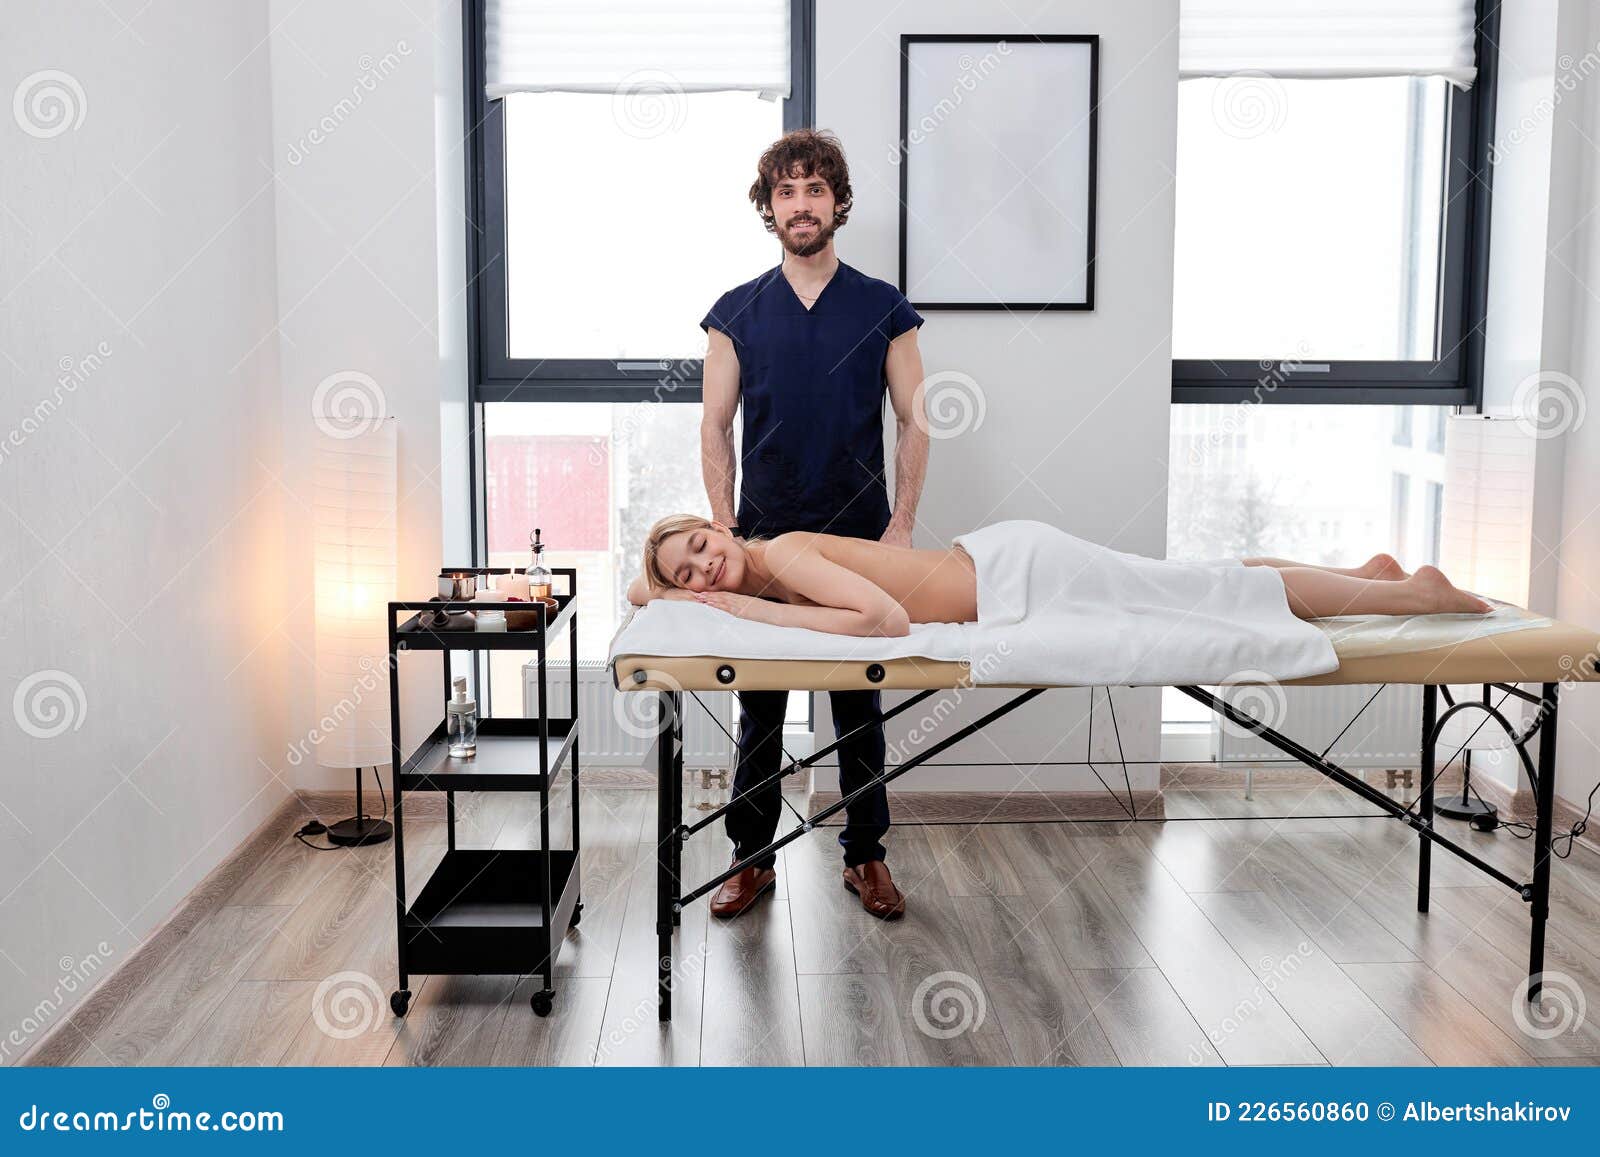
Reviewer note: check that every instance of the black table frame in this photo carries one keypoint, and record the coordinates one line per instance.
(672, 833)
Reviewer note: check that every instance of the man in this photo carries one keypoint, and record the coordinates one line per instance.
(810, 348)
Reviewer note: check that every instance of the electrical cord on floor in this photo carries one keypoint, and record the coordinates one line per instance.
(317, 827)
(1523, 831)
(314, 828)
(1576, 830)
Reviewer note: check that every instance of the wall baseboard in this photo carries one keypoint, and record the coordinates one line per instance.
(1205, 776)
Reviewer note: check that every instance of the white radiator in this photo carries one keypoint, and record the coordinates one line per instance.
(1388, 733)
(616, 730)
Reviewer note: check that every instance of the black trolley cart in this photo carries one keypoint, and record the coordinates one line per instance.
(484, 911)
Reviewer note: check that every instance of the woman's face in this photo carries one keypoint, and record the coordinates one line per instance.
(707, 559)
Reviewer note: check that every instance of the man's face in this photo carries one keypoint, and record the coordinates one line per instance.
(802, 212)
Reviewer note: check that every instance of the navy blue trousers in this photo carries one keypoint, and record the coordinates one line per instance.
(752, 818)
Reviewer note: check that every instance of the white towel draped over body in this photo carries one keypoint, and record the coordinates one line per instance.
(1052, 609)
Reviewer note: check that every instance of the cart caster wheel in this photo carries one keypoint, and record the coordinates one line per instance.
(543, 1001)
(577, 913)
(400, 1001)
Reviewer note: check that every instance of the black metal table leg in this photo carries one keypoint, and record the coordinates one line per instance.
(572, 710)
(400, 999)
(677, 817)
(1544, 795)
(669, 765)
(1430, 711)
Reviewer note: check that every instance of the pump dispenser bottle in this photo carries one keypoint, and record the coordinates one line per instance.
(461, 722)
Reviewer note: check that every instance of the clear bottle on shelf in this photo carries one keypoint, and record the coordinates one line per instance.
(539, 577)
(461, 722)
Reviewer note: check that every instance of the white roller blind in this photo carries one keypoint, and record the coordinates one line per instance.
(620, 46)
(1326, 38)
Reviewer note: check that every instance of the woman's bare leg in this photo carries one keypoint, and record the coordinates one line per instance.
(1319, 594)
(1379, 566)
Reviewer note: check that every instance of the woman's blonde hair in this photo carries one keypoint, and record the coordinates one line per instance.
(664, 529)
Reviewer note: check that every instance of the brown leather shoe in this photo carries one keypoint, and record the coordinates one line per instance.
(879, 896)
(739, 893)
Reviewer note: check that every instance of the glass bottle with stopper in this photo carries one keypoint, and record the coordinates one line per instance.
(538, 574)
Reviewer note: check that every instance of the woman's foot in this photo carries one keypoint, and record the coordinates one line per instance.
(1442, 597)
(1383, 566)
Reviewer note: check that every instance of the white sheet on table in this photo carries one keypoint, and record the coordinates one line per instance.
(1056, 608)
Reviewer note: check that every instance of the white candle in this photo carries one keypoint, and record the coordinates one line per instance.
(508, 585)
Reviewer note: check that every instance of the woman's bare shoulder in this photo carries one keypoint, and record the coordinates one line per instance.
(793, 541)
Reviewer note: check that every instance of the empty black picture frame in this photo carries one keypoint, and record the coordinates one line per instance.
(1048, 122)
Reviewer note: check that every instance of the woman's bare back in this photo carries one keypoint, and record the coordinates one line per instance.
(934, 586)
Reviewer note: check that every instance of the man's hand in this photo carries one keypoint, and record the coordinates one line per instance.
(897, 535)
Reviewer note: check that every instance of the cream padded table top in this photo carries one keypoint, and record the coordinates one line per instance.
(1427, 649)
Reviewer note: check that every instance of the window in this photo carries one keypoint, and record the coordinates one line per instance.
(1331, 239)
(592, 477)
(1436, 425)
(1402, 426)
(1433, 521)
(602, 223)
(1400, 510)
(1320, 484)
(593, 256)
(609, 257)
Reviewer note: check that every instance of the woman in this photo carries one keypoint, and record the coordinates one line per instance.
(851, 586)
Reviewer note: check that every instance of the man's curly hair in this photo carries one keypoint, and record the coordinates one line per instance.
(803, 153)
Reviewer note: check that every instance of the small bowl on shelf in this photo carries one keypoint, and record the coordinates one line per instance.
(529, 619)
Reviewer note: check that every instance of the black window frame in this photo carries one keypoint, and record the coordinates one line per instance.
(494, 375)
(1456, 377)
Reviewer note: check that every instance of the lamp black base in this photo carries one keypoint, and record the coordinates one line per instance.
(1463, 809)
(359, 830)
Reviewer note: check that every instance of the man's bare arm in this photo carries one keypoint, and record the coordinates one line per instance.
(719, 405)
(904, 370)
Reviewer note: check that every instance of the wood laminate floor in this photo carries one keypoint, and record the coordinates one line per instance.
(1195, 940)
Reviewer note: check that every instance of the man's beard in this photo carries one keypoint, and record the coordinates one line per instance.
(815, 243)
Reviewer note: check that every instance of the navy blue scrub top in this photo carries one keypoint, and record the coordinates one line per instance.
(812, 384)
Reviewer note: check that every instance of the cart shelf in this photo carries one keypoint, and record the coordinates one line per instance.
(507, 758)
(460, 635)
(480, 912)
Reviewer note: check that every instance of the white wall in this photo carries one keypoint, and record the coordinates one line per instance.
(1075, 427)
(1543, 276)
(366, 99)
(1570, 539)
(141, 505)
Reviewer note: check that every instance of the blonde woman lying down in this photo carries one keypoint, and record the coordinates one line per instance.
(854, 586)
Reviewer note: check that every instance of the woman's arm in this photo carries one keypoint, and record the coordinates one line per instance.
(640, 592)
(847, 603)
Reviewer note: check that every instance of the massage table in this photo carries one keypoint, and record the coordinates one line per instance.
(1547, 654)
